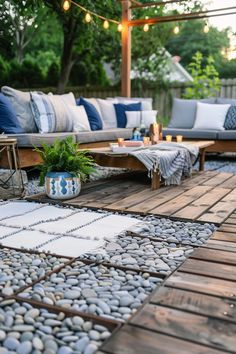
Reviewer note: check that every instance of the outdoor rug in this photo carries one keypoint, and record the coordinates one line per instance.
(63, 231)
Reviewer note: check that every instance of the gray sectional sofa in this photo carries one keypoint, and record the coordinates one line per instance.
(182, 123)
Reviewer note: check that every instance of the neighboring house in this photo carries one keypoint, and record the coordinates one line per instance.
(172, 71)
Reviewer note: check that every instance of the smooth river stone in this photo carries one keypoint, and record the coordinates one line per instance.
(11, 343)
(81, 344)
(88, 293)
(72, 294)
(25, 348)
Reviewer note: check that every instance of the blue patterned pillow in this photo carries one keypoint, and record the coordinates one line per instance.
(230, 120)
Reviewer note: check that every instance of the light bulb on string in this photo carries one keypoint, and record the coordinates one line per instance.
(146, 27)
(105, 24)
(176, 29)
(119, 27)
(66, 5)
(88, 17)
(206, 28)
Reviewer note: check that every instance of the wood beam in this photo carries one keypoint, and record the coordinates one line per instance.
(183, 17)
(155, 3)
(126, 49)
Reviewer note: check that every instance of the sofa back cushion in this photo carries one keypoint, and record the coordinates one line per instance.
(184, 112)
(8, 120)
(51, 113)
(210, 116)
(146, 103)
(21, 104)
(222, 100)
(94, 117)
(230, 120)
(121, 108)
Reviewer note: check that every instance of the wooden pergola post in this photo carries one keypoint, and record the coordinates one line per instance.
(126, 49)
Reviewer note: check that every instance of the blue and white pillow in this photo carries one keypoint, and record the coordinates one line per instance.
(51, 113)
(230, 120)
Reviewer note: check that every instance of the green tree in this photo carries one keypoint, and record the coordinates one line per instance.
(192, 39)
(206, 81)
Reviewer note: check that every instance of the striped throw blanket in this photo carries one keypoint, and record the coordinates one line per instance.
(173, 160)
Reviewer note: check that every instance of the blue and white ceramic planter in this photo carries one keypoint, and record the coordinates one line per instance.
(62, 185)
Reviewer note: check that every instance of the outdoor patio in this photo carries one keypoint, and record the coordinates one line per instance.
(142, 260)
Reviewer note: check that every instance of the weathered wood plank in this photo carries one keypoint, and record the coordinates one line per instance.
(221, 245)
(229, 183)
(219, 212)
(134, 340)
(205, 330)
(228, 228)
(198, 179)
(218, 179)
(214, 256)
(197, 303)
(181, 201)
(203, 284)
(202, 204)
(224, 236)
(215, 270)
(153, 202)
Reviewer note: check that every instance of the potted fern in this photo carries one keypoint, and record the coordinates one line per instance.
(63, 168)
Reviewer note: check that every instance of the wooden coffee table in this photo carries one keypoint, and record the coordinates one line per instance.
(105, 157)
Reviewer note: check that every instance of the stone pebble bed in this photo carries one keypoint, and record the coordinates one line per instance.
(95, 289)
(19, 269)
(28, 330)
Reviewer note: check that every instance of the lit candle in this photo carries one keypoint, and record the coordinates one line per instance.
(179, 138)
(146, 140)
(168, 137)
(120, 141)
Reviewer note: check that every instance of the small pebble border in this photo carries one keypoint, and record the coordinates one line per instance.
(96, 289)
(25, 330)
(19, 269)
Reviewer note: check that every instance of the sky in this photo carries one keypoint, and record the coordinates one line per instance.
(223, 21)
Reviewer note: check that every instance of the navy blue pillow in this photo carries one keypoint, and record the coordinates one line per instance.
(230, 120)
(94, 118)
(121, 108)
(8, 120)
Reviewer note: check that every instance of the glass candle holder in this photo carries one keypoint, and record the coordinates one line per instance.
(179, 138)
(169, 138)
(120, 141)
(146, 140)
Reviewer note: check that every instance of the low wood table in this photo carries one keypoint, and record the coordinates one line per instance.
(105, 157)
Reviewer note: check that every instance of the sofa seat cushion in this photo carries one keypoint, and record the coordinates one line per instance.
(103, 135)
(227, 135)
(191, 133)
(36, 139)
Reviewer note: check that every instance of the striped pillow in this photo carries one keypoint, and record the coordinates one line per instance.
(51, 113)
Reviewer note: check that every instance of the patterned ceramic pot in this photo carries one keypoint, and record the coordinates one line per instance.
(62, 185)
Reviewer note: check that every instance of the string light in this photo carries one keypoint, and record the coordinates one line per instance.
(105, 24)
(66, 5)
(176, 29)
(119, 27)
(206, 28)
(146, 27)
(88, 17)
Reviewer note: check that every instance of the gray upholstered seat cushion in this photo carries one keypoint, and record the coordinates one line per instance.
(103, 135)
(227, 135)
(221, 100)
(36, 139)
(191, 133)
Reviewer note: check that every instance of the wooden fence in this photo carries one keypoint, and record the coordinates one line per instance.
(162, 97)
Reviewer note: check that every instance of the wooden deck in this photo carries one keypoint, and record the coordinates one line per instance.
(206, 197)
(194, 310)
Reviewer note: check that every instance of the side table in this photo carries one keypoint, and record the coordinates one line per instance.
(14, 179)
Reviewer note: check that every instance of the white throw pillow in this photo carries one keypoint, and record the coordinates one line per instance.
(68, 98)
(108, 113)
(135, 119)
(210, 116)
(80, 118)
